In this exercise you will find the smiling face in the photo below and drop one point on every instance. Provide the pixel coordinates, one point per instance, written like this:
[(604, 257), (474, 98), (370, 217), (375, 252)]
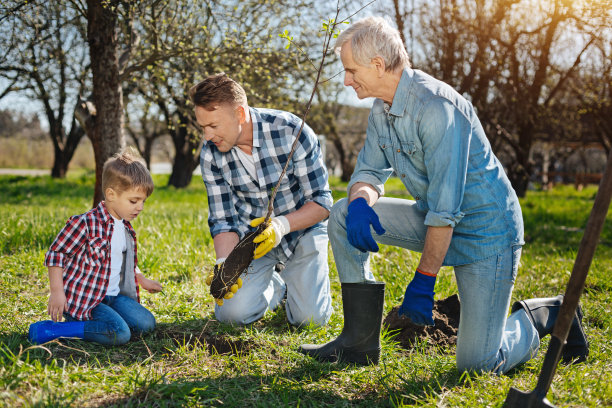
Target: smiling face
[(363, 79), (125, 205), (223, 125)]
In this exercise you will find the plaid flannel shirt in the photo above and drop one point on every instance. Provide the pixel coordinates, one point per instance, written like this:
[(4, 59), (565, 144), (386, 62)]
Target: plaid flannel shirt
[(235, 198), (82, 249)]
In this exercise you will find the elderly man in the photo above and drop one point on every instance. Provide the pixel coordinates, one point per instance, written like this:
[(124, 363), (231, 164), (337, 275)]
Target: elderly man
[(244, 155), (464, 214)]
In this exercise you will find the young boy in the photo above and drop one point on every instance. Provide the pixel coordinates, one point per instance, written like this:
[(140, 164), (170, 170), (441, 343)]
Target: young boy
[(92, 263)]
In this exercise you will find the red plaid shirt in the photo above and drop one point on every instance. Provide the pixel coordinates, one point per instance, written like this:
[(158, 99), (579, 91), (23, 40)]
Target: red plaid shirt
[(82, 249)]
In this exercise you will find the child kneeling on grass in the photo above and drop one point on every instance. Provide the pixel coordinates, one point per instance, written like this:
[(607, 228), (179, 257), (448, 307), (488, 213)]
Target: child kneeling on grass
[(92, 263)]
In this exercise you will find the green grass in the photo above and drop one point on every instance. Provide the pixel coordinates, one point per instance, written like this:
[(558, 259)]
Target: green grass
[(259, 364)]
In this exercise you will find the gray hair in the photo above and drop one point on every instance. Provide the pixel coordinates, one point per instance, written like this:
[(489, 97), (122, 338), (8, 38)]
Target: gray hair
[(374, 37)]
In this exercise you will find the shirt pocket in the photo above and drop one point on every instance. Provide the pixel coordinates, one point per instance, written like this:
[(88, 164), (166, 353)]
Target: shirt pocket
[(98, 250), (411, 168), (386, 146)]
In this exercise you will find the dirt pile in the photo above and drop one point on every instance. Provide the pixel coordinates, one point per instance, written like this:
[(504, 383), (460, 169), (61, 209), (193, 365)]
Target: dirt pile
[(443, 333)]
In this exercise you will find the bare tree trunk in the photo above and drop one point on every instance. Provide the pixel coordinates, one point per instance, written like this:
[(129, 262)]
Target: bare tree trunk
[(106, 133), (185, 158), (64, 155)]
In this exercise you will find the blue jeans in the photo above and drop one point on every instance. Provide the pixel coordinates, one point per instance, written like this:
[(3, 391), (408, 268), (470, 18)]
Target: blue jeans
[(487, 340), (305, 281), (115, 319)]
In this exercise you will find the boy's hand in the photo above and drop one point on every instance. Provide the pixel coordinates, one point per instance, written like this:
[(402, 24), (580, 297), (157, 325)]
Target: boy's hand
[(57, 305), (149, 284)]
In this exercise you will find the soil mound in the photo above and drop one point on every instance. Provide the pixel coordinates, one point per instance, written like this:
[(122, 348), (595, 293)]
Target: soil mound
[(443, 333)]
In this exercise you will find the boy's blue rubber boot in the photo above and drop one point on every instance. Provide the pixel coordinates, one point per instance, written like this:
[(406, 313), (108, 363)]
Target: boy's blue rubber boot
[(47, 330)]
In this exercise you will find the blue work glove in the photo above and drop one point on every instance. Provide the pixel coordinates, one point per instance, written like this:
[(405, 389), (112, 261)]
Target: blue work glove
[(358, 220), (418, 299)]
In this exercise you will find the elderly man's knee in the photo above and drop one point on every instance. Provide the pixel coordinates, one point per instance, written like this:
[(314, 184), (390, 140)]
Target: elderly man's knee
[(337, 214), (478, 366)]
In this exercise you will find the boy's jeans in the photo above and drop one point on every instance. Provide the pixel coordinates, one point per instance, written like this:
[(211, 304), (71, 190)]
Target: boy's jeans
[(305, 280), (487, 340), (113, 320)]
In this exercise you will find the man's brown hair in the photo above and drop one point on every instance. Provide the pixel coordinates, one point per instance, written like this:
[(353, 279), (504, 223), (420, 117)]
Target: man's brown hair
[(216, 90), (124, 171)]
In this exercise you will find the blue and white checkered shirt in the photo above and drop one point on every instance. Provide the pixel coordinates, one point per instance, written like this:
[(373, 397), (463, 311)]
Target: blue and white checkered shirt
[(235, 198)]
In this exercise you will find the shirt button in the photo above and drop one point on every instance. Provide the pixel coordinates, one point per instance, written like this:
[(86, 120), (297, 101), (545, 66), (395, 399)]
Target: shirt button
[(403, 175), (399, 150), (383, 146)]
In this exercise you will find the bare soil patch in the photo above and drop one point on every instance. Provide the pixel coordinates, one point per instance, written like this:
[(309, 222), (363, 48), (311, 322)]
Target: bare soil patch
[(443, 333)]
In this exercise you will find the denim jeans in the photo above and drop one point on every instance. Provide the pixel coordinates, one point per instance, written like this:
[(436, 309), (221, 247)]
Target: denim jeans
[(487, 340), (304, 280), (115, 319)]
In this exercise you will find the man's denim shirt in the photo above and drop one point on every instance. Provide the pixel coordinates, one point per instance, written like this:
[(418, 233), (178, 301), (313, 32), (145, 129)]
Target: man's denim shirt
[(430, 136)]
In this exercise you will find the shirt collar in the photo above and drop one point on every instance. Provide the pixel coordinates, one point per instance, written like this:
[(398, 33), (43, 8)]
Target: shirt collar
[(400, 99), (103, 211), (258, 134), (106, 218)]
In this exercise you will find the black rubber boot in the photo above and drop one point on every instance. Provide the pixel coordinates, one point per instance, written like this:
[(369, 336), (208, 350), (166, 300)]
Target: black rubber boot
[(543, 314), (359, 342)]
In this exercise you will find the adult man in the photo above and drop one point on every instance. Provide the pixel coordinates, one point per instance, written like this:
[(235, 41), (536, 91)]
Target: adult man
[(465, 214), (245, 151)]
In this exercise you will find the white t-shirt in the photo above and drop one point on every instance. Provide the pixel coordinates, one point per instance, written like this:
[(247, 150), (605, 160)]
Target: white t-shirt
[(248, 161), (118, 247)]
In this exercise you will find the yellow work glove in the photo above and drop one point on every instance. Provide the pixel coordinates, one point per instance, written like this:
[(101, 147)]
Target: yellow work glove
[(211, 274), (233, 289), (271, 236)]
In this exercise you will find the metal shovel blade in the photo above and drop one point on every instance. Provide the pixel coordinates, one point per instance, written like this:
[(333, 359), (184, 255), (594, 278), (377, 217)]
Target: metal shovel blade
[(517, 398), (537, 397)]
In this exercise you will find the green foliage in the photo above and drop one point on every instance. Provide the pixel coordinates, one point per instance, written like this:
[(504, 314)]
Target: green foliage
[(258, 364)]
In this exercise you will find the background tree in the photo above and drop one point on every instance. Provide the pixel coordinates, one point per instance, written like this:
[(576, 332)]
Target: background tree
[(512, 58), (45, 59), (238, 38)]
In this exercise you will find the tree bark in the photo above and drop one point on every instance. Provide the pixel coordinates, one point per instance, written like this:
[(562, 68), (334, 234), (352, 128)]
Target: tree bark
[(106, 131), (185, 158), (64, 155)]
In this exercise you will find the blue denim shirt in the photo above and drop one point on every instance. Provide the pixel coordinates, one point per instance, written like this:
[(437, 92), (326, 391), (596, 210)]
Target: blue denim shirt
[(431, 137)]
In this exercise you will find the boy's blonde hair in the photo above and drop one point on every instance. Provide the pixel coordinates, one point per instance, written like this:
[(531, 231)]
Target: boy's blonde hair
[(124, 171)]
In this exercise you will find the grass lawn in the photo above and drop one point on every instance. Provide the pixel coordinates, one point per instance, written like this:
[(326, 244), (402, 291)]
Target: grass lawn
[(193, 360)]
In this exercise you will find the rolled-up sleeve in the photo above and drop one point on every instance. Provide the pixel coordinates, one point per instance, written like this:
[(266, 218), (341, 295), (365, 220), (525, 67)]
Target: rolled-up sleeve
[(372, 166), (446, 135), (310, 170)]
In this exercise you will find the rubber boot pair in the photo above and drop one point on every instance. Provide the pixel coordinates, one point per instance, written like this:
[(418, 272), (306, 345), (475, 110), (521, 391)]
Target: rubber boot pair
[(359, 342), (47, 330), (543, 314)]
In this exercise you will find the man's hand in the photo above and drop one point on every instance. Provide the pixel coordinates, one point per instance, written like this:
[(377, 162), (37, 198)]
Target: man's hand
[(418, 299), (57, 305), (358, 220), (271, 236)]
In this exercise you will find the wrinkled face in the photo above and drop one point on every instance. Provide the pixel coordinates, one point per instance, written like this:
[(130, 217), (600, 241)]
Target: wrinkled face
[(363, 79), (125, 205), (221, 126)]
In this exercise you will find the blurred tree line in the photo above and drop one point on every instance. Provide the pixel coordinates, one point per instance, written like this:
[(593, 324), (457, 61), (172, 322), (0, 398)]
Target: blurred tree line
[(536, 70), (114, 69)]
